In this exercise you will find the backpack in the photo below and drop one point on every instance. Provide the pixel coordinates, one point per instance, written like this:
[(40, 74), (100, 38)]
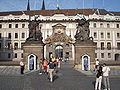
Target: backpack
[(51, 65), (99, 72)]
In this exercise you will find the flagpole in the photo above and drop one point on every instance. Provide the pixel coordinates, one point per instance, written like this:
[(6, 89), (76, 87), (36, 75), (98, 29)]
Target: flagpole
[(57, 4)]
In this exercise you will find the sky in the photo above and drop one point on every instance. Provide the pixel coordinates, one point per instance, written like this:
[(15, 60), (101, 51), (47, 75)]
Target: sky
[(21, 5)]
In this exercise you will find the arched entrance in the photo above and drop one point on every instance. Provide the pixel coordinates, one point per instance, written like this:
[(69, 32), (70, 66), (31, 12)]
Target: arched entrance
[(59, 52), (85, 62), (32, 62), (59, 44), (117, 57)]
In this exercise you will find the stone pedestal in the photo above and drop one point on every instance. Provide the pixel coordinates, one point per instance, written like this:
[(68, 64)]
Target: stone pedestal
[(84, 49), (35, 48)]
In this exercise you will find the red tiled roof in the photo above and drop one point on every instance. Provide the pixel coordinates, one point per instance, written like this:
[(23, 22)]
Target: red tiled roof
[(116, 13), (67, 12)]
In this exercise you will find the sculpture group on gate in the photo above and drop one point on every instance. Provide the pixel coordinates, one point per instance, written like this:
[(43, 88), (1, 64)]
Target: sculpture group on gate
[(35, 33), (82, 33)]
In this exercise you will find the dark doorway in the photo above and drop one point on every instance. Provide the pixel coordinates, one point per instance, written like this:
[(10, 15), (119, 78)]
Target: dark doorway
[(31, 62), (59, 52)]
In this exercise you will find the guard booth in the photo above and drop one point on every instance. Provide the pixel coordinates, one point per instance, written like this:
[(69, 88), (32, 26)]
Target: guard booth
[(85, 62), (32, 62)]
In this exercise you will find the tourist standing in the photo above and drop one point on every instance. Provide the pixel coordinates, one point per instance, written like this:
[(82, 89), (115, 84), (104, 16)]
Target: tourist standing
[(98, 78), (22, 67), (106, 74), (51, 70), (97, 63), (40, 66)]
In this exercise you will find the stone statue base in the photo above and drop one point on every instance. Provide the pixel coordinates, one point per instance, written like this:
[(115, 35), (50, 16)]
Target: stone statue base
[(32, 47), (84, 48)]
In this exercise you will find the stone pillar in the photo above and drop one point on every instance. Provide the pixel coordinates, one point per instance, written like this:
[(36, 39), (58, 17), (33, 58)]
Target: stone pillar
[(35, 48), (84, 49)]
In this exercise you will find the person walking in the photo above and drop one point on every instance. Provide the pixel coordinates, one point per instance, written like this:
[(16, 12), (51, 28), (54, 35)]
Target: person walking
[(40, 66), (45, 65), (51, 70), (98, 78), (22, 67), (106, 74)]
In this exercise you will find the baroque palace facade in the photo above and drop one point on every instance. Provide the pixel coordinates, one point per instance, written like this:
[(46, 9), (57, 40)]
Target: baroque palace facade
[(104, 28)]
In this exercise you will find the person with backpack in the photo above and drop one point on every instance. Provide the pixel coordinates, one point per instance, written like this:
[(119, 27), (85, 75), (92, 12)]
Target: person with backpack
[(98, 78), (51, 70)]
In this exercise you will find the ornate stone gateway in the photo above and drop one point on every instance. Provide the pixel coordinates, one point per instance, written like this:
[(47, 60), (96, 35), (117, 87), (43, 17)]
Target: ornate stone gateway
[(59, 45)]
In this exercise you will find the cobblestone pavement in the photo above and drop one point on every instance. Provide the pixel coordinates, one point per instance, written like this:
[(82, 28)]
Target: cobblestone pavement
[(16, 72), (66, 79)]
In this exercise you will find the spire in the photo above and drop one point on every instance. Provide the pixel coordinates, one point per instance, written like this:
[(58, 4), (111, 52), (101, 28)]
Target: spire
[(58, 5), (28, 6), (43, 5)]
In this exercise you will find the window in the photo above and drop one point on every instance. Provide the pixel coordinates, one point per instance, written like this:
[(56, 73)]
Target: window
[(15, 55), (109, 55), (95, 35), (95, 45), (9, 55), (117, 25), (16, 35), (102, 55), (102, 45), (50, 45), (109, 46), (102, 35), (15, 46), (101, 25), (108, 25), (23, 25), (0, 35), (0, 45), (118, 35), (23, 35), (21, 55), (0, 25), (108, 35), (10, 25), (22, 45), (16, 25), (9, 35), (95, 55), (118, 45), (94, 25), (9, 45), (67, 45), (67, 55)]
